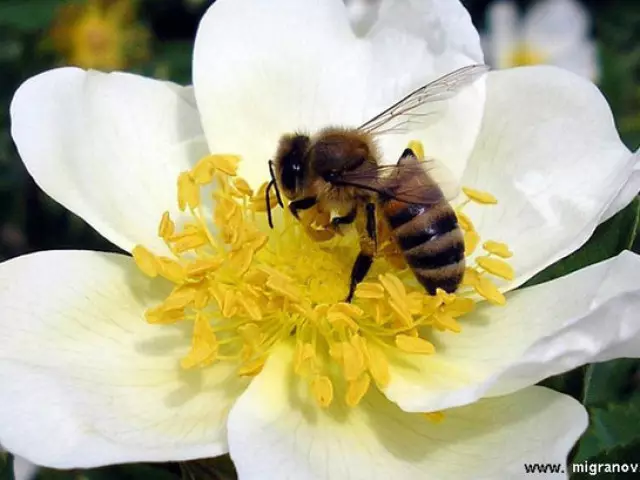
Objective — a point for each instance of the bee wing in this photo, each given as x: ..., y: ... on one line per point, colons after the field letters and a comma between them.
x: 403, y: 115
x: 411, y: 181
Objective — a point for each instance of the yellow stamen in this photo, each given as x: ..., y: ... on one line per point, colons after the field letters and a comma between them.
x: 478, y: 196
x: 356, y: 390
x: 378, y: 365
x: 370, y: 290
x: 497, y: 248
x: 145, y: 261
x: 414, y: 344
x: 465, y: 222
x: 417, y: 148
x: 497, y: 267
x: 471, y: 241
x: 188, y: 193
x: 166, y: 227
x: 246, y: 288
x: 204, y: 346
x: 434, y: 417
x: 488, y: 290
x: 322, y: 389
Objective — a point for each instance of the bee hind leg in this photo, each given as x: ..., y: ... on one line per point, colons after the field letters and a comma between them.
x: 349, y: 218
x: 358, y: 272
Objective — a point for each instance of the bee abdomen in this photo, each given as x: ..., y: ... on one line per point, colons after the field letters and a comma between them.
x: 432, y: 243
x: 446, y: 250
x: 447, y: 278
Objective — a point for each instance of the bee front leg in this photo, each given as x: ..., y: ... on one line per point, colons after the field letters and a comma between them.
x: 347, y: 219
x: 302, y: 204
x: 372, y: 226
x: 358, y: 272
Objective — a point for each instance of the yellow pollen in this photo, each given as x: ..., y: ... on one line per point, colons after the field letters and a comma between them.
x: 245, y: 289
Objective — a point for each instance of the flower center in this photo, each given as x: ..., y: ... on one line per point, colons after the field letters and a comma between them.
x: 246, y: 288
x: 523, y: 55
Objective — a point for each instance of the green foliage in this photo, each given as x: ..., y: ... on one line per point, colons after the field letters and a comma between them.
x: 176, y: 58
x: 220, y: 468
x: 122, y: 472
x: 6, y: 466
x: 28, y: 17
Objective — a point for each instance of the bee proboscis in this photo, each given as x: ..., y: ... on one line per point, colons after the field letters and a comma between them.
x: 339, y: 170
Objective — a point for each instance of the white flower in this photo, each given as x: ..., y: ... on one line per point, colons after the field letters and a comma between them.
x: 554, y: 32
x: 86, y: 381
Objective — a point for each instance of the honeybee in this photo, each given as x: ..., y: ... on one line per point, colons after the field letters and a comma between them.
x: 339, y: 170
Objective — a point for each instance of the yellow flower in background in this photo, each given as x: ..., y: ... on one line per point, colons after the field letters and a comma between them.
x: 100, y: 34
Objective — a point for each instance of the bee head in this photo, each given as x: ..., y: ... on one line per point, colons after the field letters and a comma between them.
x: 292, y: 163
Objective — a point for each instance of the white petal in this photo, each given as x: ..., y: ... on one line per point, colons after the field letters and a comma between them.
x: 108, y: 147
x: 588, y: 316
x: 86, y: 381
x: 297, y: 65
x: 23, y: 469
x: 549, y: 151
x: 628, y: 192
x: 276, y: 432
x: 553, y: 25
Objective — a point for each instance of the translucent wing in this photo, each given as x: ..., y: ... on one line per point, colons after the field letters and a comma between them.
x: 410, y: 180
x: 400, y: 116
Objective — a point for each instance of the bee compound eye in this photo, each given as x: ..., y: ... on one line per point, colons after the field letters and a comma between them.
x: 330, y: 175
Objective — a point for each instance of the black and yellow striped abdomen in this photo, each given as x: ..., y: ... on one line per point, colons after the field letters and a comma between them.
x: 431, y: 241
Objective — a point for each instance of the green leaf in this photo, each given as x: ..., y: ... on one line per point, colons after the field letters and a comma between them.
x: 28, y: 16
x: 608, y: 240
x: 173, y: 60
x: 219, y: 468
x: 141, y: 471
x: 51, y: 474
x: 6, y: 466
x: 603, y: 466
x: 609, y: 382
x: 136, y: 471
x: 611, y: 429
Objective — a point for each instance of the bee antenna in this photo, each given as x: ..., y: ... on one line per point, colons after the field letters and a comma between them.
x: 274, y: 183
x: 268, y: 202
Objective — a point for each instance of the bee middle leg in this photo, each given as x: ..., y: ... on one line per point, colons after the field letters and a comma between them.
x: 365, y: 257
x: 358, y: 272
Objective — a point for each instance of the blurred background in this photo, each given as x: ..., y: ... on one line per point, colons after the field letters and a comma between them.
x: 154, y: 37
